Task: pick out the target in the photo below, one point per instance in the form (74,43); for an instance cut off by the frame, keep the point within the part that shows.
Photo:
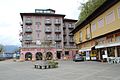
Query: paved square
(68,70)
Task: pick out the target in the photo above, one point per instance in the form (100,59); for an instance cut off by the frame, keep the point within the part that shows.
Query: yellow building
(98,37)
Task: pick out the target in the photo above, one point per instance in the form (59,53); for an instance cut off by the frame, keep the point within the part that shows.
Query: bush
(53,63)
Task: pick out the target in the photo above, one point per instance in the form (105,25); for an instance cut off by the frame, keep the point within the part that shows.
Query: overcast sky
(10,15)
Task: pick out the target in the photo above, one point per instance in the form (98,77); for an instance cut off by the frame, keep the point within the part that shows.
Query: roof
(40,14)
(69,20)
(105,6)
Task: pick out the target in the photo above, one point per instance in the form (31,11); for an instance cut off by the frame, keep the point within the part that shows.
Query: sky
(10,15)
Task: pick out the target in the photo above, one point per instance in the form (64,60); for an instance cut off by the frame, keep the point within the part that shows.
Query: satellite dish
(38,42)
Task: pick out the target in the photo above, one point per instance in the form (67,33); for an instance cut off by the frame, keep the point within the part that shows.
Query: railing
(57,23)
(48,23)
(58,38)
(28,30)
(27,38)
(48,30)
(58,30)
(70,46)
(28,22)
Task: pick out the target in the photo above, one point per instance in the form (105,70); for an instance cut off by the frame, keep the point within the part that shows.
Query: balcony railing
(48,38)
(28,22)
(57,23)
(48,30)
(48,23)
(57,30)
(28,30)
(68,46)
(71,27)
(27,38)
(70,34)
(58,38)
(65,40)
(71,40)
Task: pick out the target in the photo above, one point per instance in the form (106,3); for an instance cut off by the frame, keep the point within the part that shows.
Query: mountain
(10,48)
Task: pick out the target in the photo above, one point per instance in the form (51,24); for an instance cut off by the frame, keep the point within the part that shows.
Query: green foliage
(53,63)
(1,48)
(88,8)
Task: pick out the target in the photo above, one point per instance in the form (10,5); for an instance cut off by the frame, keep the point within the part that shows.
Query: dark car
(78,57)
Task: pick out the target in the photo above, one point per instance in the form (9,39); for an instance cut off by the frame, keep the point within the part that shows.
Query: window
(57,20)
(47,20)
(93,27)
(119,11)
(80,36)
(100,23)
(87,32)
(110,17)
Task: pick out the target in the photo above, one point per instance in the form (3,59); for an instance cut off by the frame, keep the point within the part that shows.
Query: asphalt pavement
(67,70)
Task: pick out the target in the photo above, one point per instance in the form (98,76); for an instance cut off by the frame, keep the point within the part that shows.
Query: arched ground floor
(33,54)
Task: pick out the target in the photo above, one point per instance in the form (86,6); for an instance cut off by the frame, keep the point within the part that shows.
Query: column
(116,52)
(33,57)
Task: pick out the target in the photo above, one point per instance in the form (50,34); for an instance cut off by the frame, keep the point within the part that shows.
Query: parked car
(78,57)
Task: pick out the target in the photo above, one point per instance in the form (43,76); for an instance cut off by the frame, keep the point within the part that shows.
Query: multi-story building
(69,45)
(98,37)
(42,35)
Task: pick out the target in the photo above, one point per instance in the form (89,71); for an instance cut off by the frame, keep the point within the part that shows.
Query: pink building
(42,35)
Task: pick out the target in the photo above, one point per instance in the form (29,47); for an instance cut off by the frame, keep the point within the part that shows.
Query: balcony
(58,46)
(71,27)
(65,40)
(48,23)
(28,30)
(57,30)
(70,34)
(28,22)
(48,30)
(71,41)
(68,46)
(57,23)
(27,38)
(64,33)
(48,38)
(58,38)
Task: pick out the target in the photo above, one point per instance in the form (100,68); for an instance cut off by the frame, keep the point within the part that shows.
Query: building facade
(69,44)
(98,37)
(42,35)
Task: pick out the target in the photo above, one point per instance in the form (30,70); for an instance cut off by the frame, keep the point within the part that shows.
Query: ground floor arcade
(28,54)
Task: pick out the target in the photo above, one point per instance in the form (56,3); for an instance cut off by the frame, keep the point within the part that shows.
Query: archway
(49,56)
(28,56)
(39,56)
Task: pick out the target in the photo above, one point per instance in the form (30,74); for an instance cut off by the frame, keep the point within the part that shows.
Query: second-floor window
(93,27)
(80,36)
(110,17)
(119,11)
(57,20)
(88,33)
(100,22)
(47,20)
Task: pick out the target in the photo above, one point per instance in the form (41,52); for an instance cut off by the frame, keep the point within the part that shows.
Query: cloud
(11,9)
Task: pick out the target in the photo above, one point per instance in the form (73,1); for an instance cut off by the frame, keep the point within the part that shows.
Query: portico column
(116,52)
(33,57)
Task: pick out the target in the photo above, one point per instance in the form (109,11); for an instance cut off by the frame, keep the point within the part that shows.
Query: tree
(88,8)
(1,48)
